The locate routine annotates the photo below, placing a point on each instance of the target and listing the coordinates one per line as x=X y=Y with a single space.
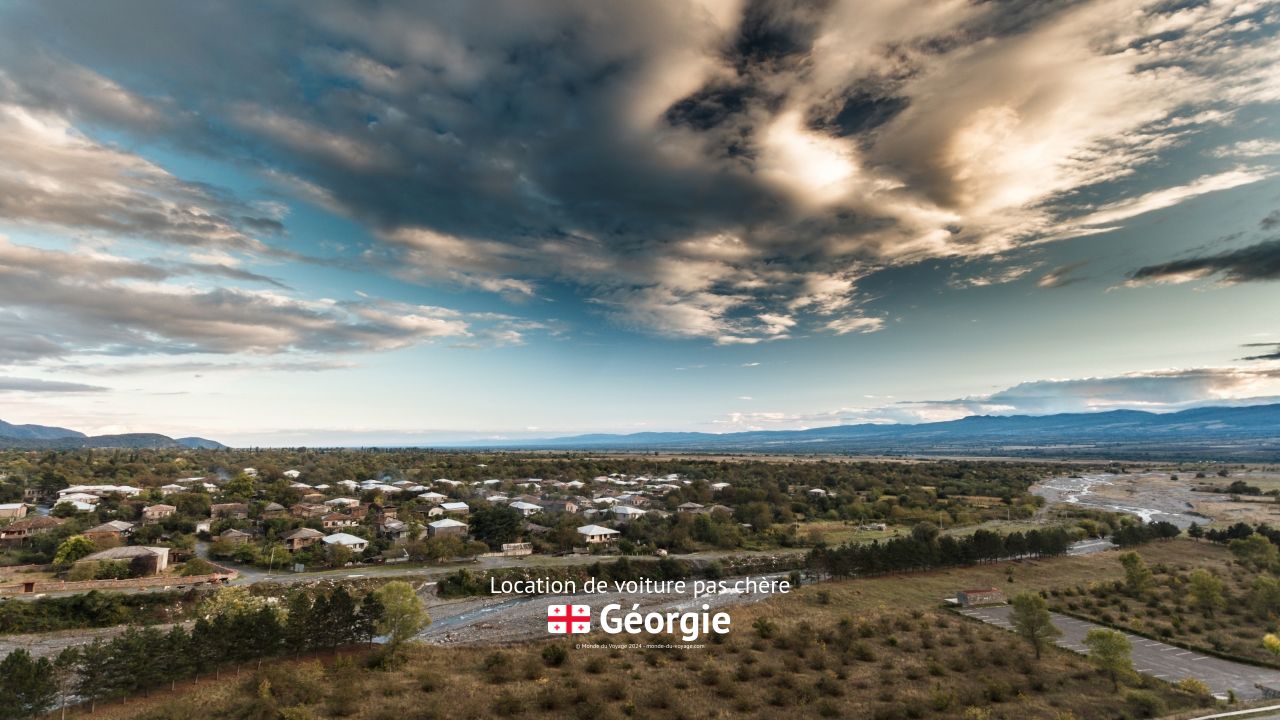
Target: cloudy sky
x=324 y=222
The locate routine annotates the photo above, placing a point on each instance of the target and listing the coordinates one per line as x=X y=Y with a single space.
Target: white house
x=434 y=498
x=342 y=502
x=455 y=508
x=526 y=509
x=171 y=488
x=594 y=534
x=625 y=513
x=292 y=474
x=356 y=544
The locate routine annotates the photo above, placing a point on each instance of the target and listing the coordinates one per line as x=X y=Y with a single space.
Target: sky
x=322 y=222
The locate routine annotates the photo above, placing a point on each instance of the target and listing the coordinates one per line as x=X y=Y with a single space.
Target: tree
x=1255 y=551
x=28 y=686
x=1137 y=576
x=92 y=673
x=1195 y=531
x=403 y=614
x=1109 y=652
x=1206 y=591
x=368 y=619
x=72 y=549
x=1031 y=620
x=495 y=525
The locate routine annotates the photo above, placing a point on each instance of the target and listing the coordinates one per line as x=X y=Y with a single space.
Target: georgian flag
x=565 y=619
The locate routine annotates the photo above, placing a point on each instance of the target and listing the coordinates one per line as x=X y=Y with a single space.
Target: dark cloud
x=1247 y=264
x=33 y=385
x=1271 y=221
x=1272 y=351
x=511 y=146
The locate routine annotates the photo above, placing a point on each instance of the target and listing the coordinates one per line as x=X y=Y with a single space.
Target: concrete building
x=980 y=596
x=447 y=526
x=596 y=534
x=155 y=513
x=354 y=543
x=302 y=538
x=150 y=560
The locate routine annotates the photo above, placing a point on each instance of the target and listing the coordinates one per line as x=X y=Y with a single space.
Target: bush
x=765 y=627
x=554 y=655
x=1145 y=703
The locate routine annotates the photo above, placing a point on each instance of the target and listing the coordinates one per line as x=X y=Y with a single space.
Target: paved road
x=1089 y=547
x=1167 y=662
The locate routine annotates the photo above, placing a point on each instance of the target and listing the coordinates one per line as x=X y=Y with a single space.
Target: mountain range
x=1251 y=432
x=40 y=437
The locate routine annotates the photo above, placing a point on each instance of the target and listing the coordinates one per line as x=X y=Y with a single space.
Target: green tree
x=93 y=681
x=403 y=614
x=1206 y=591
x=1032 y=621
x=1109 y=651
x=368 y=619
x=72 y=549
x=1137 y=576
x=28 y=686
x=495 y=525
x=1255 y=552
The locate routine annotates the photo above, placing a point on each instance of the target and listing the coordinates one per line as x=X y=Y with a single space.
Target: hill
x=46 y=437
x=1235 y=433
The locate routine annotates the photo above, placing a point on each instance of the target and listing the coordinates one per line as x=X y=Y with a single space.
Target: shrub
x=554 y=655
x=1145 y=703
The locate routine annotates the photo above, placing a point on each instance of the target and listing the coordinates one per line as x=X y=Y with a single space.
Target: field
x=1166 y=609
x=869 y=648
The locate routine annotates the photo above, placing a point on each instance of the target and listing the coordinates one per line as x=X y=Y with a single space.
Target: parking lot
x=1151 y=657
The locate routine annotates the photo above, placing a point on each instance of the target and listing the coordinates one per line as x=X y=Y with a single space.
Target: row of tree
x=925 y=550
x=234 y=627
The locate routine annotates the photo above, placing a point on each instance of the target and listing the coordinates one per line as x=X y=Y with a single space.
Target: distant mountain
x=1251 y=432
x=41 y=437
x=199 y=443
x=36 y=432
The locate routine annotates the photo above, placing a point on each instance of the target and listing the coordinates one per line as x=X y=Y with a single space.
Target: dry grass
x=873 y=648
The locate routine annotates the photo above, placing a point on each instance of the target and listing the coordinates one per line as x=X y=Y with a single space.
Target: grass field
x=870 y=648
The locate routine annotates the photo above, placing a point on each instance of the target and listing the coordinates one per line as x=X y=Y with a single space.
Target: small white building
x=356 y=544
x=626 y=513
x=526 y=508
x=596 y=534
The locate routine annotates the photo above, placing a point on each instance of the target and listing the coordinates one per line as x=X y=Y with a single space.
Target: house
x=101 y=490
x=447 y=526
x=80 y=499
x=229 y=510
x=596 y=534
x=115 y=530
x=455 y=508
x=525 y=508
x=292 y=474
x=980 y=596
x=355 y=544
x=434 y=498
x=234 y=537
x=20 y=530
x=301 y=538
x=337 y=520
x=273 y=510
x=145 y=560
x=342 y=502
x=626 y=513
x=394 y=530
x=561 y=506
x=171 y=488
x=717 y=487
x=13 y=511
x=308 y=510
x=817 y=492
x=689 y=507
x=154 y=513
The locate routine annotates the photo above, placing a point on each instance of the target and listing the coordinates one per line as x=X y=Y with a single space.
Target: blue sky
x=331 y=222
